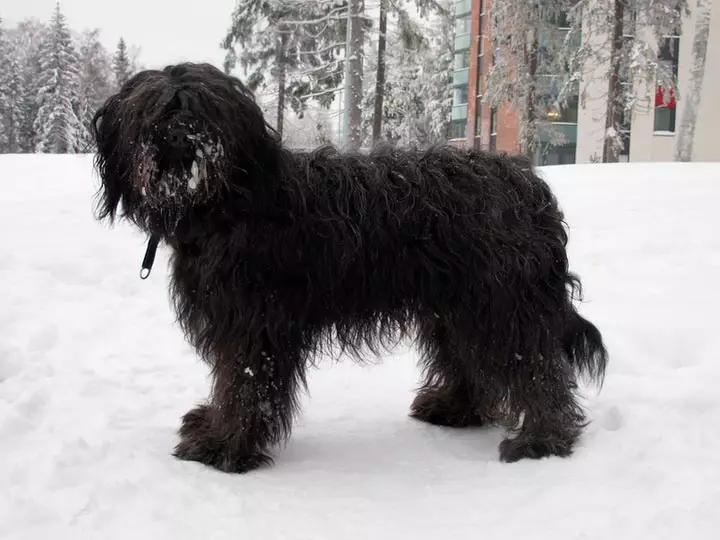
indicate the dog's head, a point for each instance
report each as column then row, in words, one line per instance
column 173, row 140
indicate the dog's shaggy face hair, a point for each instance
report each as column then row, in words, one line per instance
column 278, row 253
column 164, row 145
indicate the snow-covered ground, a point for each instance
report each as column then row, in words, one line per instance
column 94, row 376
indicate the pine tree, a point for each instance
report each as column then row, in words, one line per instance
column 121, row 64
column 290, row 46
column 27, row 37
column 95, row 83
column 57, row 125
column 4, row 90
column 11, row 95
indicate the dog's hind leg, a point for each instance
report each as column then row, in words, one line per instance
column 450, row 395
column 553, row 420
column 253, row 400
column 541, row 380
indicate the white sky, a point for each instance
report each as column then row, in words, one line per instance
column 167, row 31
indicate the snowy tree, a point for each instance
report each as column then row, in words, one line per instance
column 311, row 130
column 353, row 75
column 11, row 95
column 134, row 59
column 95, row 82
column 410, row 36
column 417, row 101
column 529, row 72
column 686, row 133
column 291, row 46
column 27, row 37
column 57, row 125
column 621, row 41
column 4, row 90
column 121, row 64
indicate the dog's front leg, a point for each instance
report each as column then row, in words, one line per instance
column 253, row 399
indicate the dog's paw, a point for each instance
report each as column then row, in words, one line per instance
column 440, row 408
column 527, row 446
column 203, row 440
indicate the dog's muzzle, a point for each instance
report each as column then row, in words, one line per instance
column 178, row 167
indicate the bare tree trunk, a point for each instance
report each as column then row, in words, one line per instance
column 354, row 77
column 614, row 95
column 686, row 134
column 282, row 77
column 529, row 129
column 380, row 79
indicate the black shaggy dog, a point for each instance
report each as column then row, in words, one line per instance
column 277, row 254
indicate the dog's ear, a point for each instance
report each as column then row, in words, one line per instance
column 98, row 120
column 103, row 119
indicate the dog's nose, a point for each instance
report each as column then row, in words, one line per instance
column 178, row 139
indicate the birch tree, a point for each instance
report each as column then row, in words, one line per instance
column 686, row 134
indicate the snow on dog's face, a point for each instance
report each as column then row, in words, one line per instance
column 176, row 164
column 172, row 143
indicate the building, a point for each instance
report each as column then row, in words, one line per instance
column 649, row 134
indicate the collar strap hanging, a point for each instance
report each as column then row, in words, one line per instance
column 149, row 256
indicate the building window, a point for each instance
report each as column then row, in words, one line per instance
column 668, row 57
column 566, row 113
column 462, row 25
column 629, row 22
column 460, row 95
column 457, row 129
column 462, row 7
column 481, row 28
column 462, row 59
column 478, row 115
column 461, row 69
column 556, row 155
column 665, row 119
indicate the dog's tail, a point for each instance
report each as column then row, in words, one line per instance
column 583, row 345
